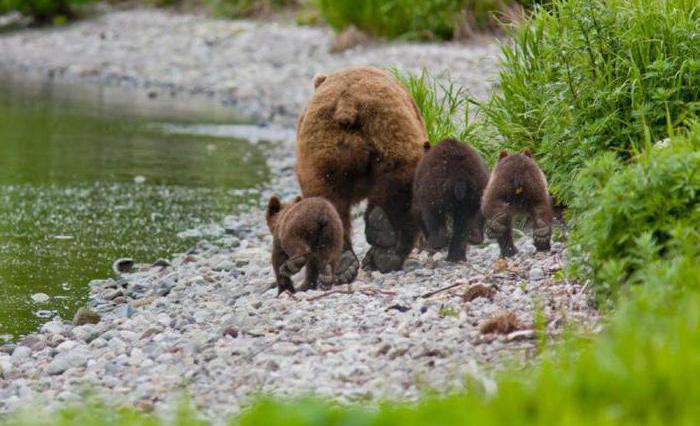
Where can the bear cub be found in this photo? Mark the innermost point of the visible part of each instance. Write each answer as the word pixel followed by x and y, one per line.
pixel 449 182
pixel 306 232
pixel 517 186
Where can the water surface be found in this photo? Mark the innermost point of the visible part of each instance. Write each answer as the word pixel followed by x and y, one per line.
pixel 91 174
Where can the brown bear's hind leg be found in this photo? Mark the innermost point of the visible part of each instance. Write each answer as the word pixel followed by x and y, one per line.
pixel 313 268
pixel 499 225
pixel 435 229
pixel 298 254
pixel 397 211
pixel 284 282
pixel 475 228
pixel 378 229
pixel 542 227
pixel 348 265
pixel 457 252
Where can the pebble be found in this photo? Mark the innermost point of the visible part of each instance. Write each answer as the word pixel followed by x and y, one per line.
pixel 40 298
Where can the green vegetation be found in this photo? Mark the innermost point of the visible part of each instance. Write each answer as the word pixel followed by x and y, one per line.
pixel 43 11
pixel 415 19
pixel 628 219
pixel 585 77
pixel 445 108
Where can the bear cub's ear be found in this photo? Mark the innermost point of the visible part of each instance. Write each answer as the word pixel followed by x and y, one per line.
pixel 274 205
pixel 503 154
pixel 526 151
pixel 319 79
pixel 426 146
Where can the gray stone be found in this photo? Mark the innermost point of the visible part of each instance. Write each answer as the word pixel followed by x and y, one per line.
pixel 21 354
pixel 536 273
pixel 124 265
pixel 67 360
pixel 124 311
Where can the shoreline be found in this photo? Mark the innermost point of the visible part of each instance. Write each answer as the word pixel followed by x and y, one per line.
pixel 209 323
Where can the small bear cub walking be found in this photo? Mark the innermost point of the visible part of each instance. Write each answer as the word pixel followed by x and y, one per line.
pixel 517 186
pixel 449 182
pixel 306 232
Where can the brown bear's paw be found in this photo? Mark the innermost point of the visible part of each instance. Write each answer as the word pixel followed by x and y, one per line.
pixel 292 266
pixel 456 256
pixel 348 267
pixel 508 250
pixel 497 225
pixel 475 236
pixel 378 229
pixel 307 285
pixel 542 235
pixel 438 239
pixel 326 278
pixel 382 260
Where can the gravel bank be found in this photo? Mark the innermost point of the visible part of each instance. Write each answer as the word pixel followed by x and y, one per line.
pixel 208 323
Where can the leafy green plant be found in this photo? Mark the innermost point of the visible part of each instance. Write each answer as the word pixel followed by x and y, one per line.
pixel 445 108
pixel 589 76
pixel 628 217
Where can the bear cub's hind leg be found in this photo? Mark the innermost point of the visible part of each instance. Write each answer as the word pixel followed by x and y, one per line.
pixel 500 226
pixel 457 251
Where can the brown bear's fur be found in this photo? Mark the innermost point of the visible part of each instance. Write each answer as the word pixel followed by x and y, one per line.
pixel 361 136
pixel 517 186
pixel 449 182
pixel 307 232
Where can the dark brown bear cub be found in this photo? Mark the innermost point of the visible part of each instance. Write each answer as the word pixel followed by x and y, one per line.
pixel 449 182
pixel 517 186
pixel 307 232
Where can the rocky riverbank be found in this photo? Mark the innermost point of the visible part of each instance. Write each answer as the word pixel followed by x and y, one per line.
pixel 207 322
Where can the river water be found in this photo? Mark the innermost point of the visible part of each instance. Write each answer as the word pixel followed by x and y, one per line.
pixel 90 174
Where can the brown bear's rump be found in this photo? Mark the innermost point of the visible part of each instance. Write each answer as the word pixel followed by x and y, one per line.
pixel 360 123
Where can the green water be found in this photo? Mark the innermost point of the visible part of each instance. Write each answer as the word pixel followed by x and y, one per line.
pixel 88 175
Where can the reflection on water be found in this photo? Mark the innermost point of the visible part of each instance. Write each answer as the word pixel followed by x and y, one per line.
pixel 88 175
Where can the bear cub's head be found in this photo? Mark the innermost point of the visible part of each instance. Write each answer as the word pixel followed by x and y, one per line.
pixel 275 208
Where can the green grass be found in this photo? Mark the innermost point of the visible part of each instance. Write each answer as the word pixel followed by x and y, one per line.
pixel 44 11
pixel 415 19
pixel 446 109
pixel 591 76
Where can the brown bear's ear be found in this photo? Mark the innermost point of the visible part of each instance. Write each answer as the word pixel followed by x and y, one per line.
pixel 426 146
pixel 319 79
pixel 503 154
pixel 297 199
pixel 274 205
pixel 526 151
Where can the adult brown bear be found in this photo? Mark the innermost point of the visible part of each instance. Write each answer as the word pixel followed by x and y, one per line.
pixel 361 137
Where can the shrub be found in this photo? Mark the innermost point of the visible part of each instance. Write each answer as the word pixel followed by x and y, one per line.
pixel 43 11
pixel 589 76
pixel 629 217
